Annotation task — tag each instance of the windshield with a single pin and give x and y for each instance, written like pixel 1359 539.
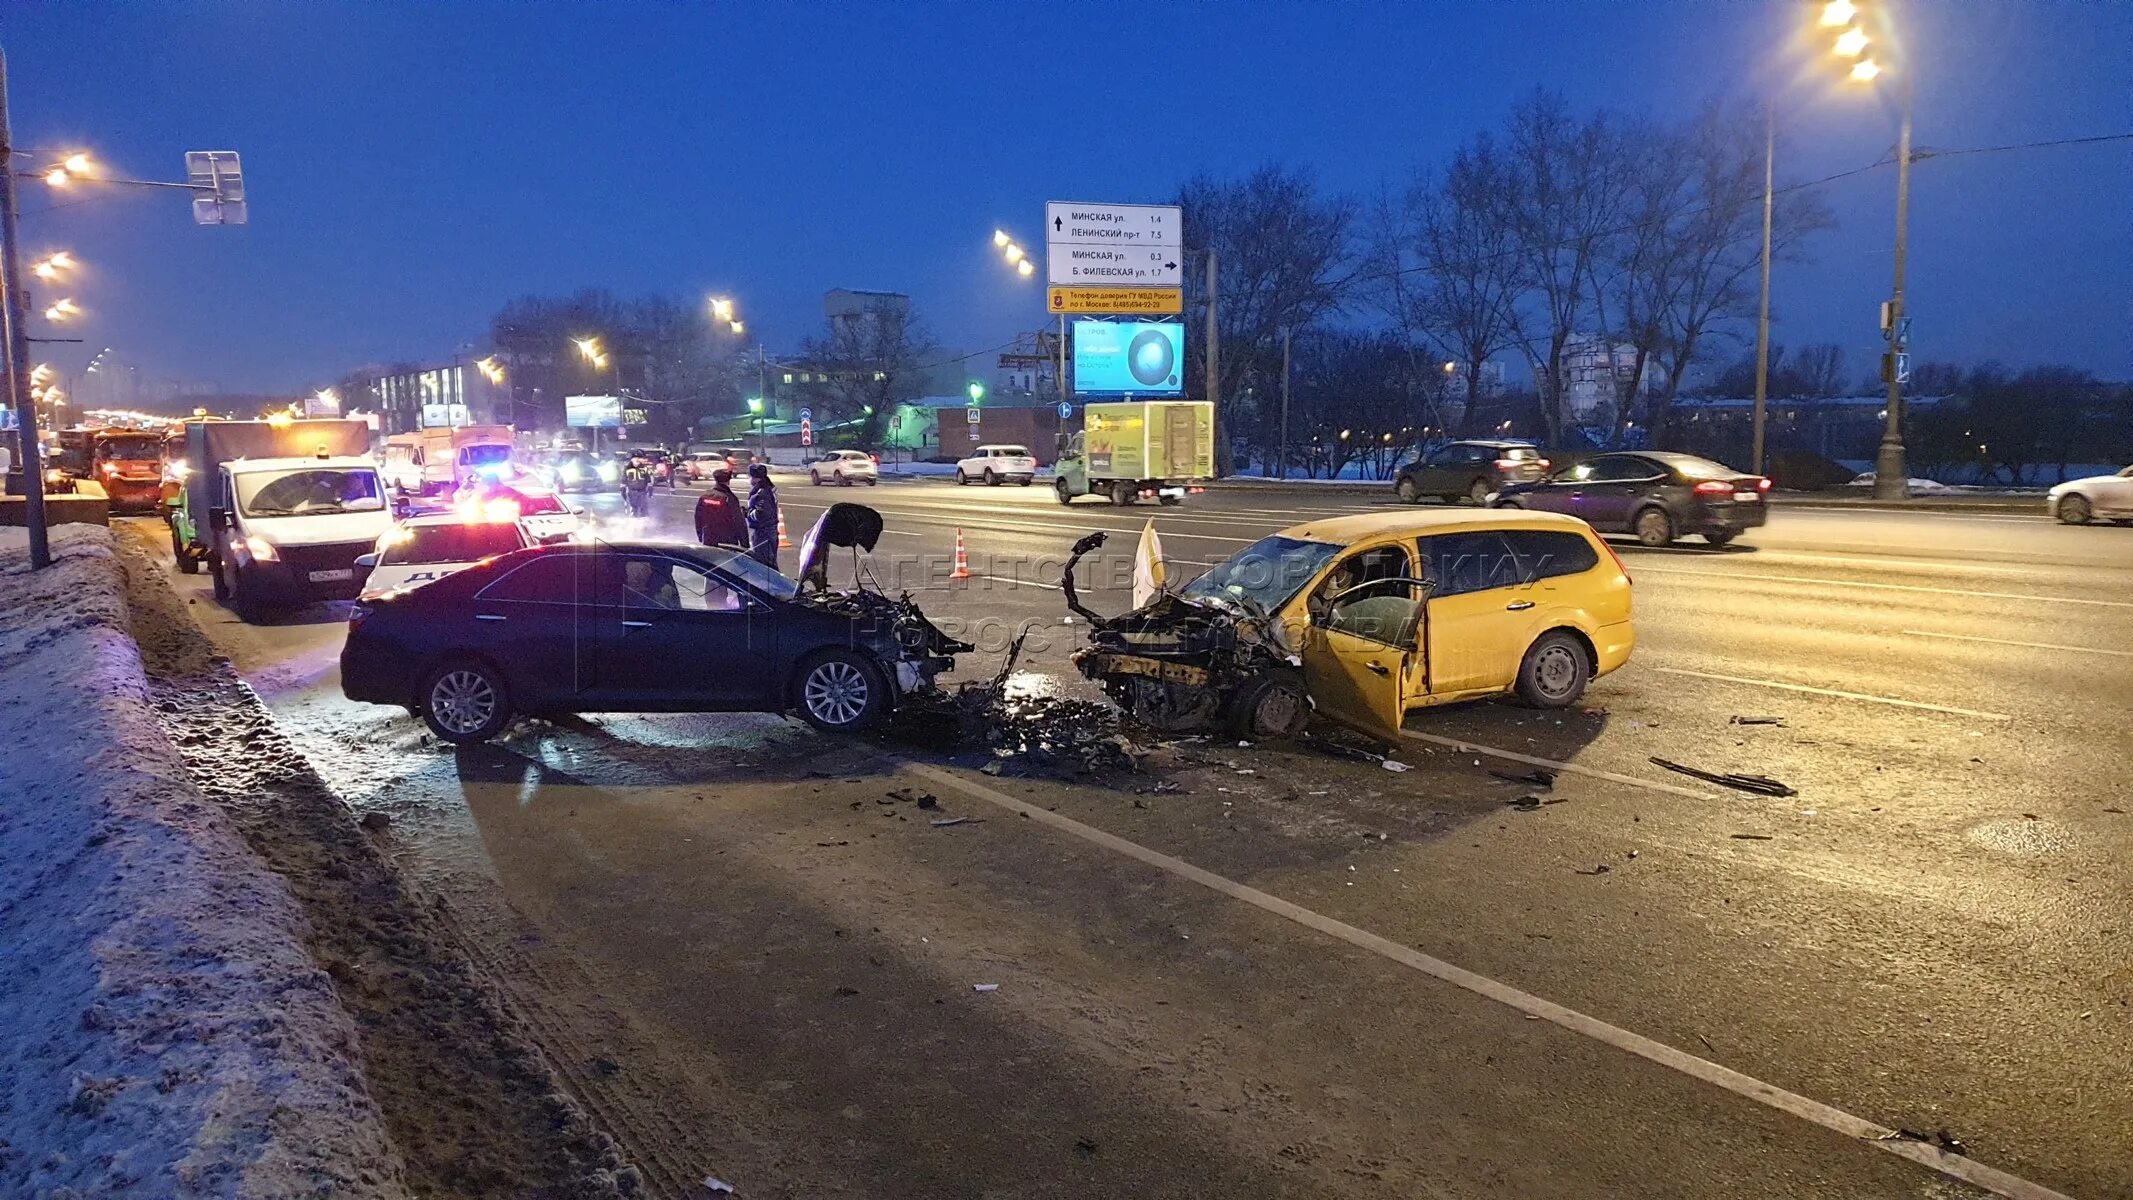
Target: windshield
pixel 309 493
pixel 1266 574
pixel 130 447
pixel 485 456
pixel 755 574
pixel 1518 453
pixel 450 543
pixel 534 506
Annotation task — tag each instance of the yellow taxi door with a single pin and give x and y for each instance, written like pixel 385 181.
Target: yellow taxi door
pixel 1356 681
pixel 1481 612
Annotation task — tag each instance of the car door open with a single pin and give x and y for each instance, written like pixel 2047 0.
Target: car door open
pixel 1360 649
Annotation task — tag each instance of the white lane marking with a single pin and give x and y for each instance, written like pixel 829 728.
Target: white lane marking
pixel 1957 637
pixel 1019 582
pixel 1820 691
pixel 1637 569
pixel 1748 1087
pixel 1466 747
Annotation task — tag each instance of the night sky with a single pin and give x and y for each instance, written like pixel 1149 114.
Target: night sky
pixel 413 166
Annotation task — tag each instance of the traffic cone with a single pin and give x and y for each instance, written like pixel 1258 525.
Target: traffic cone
pixel 784 541
pixel 962 561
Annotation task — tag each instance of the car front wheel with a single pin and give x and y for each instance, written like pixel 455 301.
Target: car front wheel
pixel 1407 491
pixel 814 479
pixel 465 702
pixel 839 691
pixel 1062 489
pixel 960 478
pixel 1554 672
pixel 2074 510
pixel 187 564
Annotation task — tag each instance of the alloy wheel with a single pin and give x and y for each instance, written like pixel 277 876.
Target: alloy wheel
pixel 836 693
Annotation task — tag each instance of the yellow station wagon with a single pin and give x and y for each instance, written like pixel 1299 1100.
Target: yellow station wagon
pixel 1391 612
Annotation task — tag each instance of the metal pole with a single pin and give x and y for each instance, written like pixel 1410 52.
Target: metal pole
pixel 27 460
pixel 1762 320
pixel 1063 393
pixel 1891 476
pixel 1214 361
pixel 1284 468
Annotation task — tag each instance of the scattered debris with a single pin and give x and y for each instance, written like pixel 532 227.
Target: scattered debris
pixel 1707 1043
pixel 1544 779
pixel 1737 719
pixel 827 844
pixel 1760 784
pixel 1085 1148
pixel 1939 1137
pixel 1602 869
pixel 984 987
pixel 1750 837
pixel 945 822
pixel 847 991
pixel 2121 812
pixel 377 822
pixel 909 796
pixel 718 1185
pixel 1392 764
pixel 1532 803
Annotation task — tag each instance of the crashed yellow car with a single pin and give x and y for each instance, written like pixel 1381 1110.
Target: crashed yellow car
pixel 1365 618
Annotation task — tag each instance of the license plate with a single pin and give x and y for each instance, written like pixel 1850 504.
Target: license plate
pixel 1170 491
pixel 1746 497
pixel 332 576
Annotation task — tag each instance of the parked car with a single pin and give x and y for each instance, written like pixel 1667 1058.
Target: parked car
pixel 1472 469
pixel 1372 616
pixel 643 627
pixel 700 465
pixel 422 550
pixel 580 471
pixel 2078 501
pixel 844 468
pixel 1657 495
pixel 995 465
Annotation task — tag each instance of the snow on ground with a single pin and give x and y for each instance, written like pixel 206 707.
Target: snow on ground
pixel 164 1030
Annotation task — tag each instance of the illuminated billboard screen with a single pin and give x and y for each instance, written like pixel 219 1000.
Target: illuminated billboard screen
pixel 1129 358
pixel 593 412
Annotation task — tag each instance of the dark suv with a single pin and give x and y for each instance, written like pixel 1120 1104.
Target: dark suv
pixel 1655 494
pixel 1469 469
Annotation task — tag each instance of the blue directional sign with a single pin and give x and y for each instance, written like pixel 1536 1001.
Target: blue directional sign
pixel 807 414
pixel 1129 358
pixel 1065 410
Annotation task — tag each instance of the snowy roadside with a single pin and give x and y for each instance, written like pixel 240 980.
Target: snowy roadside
pixel 165 1029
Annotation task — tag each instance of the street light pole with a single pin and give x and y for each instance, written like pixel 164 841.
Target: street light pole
pixel 1762 320
pixel 27 460
pixel 1892 479
pixel 1284 468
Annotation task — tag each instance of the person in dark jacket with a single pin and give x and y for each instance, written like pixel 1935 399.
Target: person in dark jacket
pixel 762 517
pixel 719 521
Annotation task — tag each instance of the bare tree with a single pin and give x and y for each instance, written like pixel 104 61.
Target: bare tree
pixel 1561 200
pixel 1817 372
pixel 1448 265
pixel 1639 282
pixel 869 362
pixel 1718 240
pixel 1285 261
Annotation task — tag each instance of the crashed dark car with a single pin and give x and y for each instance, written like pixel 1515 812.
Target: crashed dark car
pixel 646 627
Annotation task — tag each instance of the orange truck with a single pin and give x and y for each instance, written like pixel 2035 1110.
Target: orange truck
pixel 129 465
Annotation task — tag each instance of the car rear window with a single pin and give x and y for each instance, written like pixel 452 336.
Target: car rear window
pixel 451 543
pixel 1519 453
pixel 1543 554
pixel 1010 452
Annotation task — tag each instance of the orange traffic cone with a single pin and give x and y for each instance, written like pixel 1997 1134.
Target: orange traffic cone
pixel 784 540
pixel 962 561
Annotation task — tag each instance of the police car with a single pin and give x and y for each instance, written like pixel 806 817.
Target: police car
pixel 421 549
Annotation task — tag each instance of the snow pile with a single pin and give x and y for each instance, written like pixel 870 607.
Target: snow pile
pixel 163 1030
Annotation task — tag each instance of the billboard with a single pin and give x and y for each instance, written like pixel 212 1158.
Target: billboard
pixel 1128 358
pixel 592 412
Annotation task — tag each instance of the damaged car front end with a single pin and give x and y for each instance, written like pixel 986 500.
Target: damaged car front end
pixel 909 647
pixel 1212 656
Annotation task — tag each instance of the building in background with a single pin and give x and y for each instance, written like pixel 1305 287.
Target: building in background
pixel 1597 376
pixel 107 382
pixel 1029 370
pixel 1489 380
pixel 407 398
pixel 848 309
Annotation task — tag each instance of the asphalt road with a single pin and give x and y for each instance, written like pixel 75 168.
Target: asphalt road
pixel 1302 973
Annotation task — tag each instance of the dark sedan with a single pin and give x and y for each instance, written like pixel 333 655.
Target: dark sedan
pixel 637 627
pixel 1655 494
pixel 1471 469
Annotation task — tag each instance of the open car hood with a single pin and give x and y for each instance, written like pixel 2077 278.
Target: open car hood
pixel 841 524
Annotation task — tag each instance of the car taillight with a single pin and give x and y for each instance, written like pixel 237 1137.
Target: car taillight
pixel 875 458
pixel 1544 464
pixel 1714 487
pixel 1762 485
pixel 1618 559
pixel 1507 464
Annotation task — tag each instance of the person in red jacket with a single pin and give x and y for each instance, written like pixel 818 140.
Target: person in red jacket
pixel 719 521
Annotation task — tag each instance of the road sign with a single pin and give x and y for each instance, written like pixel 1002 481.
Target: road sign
pixel 1119 301
pixel 1903 366
pixel 807 414
pixel 217 178
pixel 974 434
pixel 807 431
pixel 1065 410
pixel 1903 333
pixel 1113 245
pixel 971 414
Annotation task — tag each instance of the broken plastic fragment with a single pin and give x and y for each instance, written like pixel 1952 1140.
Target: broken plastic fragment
pixel 984 987
pixel 1394 765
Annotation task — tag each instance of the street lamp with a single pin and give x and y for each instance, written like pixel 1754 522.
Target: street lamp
pixel 756 406
pixel 61 309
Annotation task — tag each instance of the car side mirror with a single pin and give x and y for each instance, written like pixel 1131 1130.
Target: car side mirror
pixel 367 561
